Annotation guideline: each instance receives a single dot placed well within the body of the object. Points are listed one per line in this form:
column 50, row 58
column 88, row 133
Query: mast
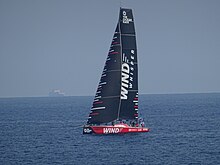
column 119, row 25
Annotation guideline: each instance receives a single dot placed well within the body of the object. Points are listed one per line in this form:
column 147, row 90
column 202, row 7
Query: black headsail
column 117, row 93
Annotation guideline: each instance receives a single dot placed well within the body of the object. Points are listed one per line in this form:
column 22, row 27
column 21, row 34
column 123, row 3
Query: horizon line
column 181, row 93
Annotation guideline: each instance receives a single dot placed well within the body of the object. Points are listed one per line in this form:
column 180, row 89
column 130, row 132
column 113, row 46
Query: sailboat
column 115, row 106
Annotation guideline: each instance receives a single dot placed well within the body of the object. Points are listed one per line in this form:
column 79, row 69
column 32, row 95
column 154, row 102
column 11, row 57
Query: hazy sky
column 63, row 44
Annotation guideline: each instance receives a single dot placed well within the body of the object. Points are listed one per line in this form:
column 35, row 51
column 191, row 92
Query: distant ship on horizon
column 56, row 93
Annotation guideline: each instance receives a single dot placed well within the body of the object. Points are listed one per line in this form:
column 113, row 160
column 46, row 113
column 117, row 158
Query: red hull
column 116, row 129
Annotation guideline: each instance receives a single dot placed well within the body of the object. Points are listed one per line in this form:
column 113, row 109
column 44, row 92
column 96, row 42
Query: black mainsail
column 117, row 93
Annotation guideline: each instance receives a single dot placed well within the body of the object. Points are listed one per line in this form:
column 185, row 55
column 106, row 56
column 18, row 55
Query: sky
column 63, row 44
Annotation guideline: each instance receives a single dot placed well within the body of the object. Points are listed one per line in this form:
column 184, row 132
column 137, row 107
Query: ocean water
column 185, row 129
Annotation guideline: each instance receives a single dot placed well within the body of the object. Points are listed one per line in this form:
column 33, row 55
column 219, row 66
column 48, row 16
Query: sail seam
column 98, row 108
column 132, row 90
column 115, row 45
column 113, row 71
column 132, row 35
column 110, row 97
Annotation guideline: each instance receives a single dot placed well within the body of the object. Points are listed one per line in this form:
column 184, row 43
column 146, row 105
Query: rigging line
column 77, row 126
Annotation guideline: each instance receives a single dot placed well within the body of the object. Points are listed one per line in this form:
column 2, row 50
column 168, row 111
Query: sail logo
column 110, row 130
column 124, row 80
column 127, row 73
column 125, row 18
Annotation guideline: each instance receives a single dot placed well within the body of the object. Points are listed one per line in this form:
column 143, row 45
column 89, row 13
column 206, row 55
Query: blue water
column 185, row 129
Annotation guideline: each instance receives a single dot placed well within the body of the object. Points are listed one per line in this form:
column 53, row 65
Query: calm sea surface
column 185, row 129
